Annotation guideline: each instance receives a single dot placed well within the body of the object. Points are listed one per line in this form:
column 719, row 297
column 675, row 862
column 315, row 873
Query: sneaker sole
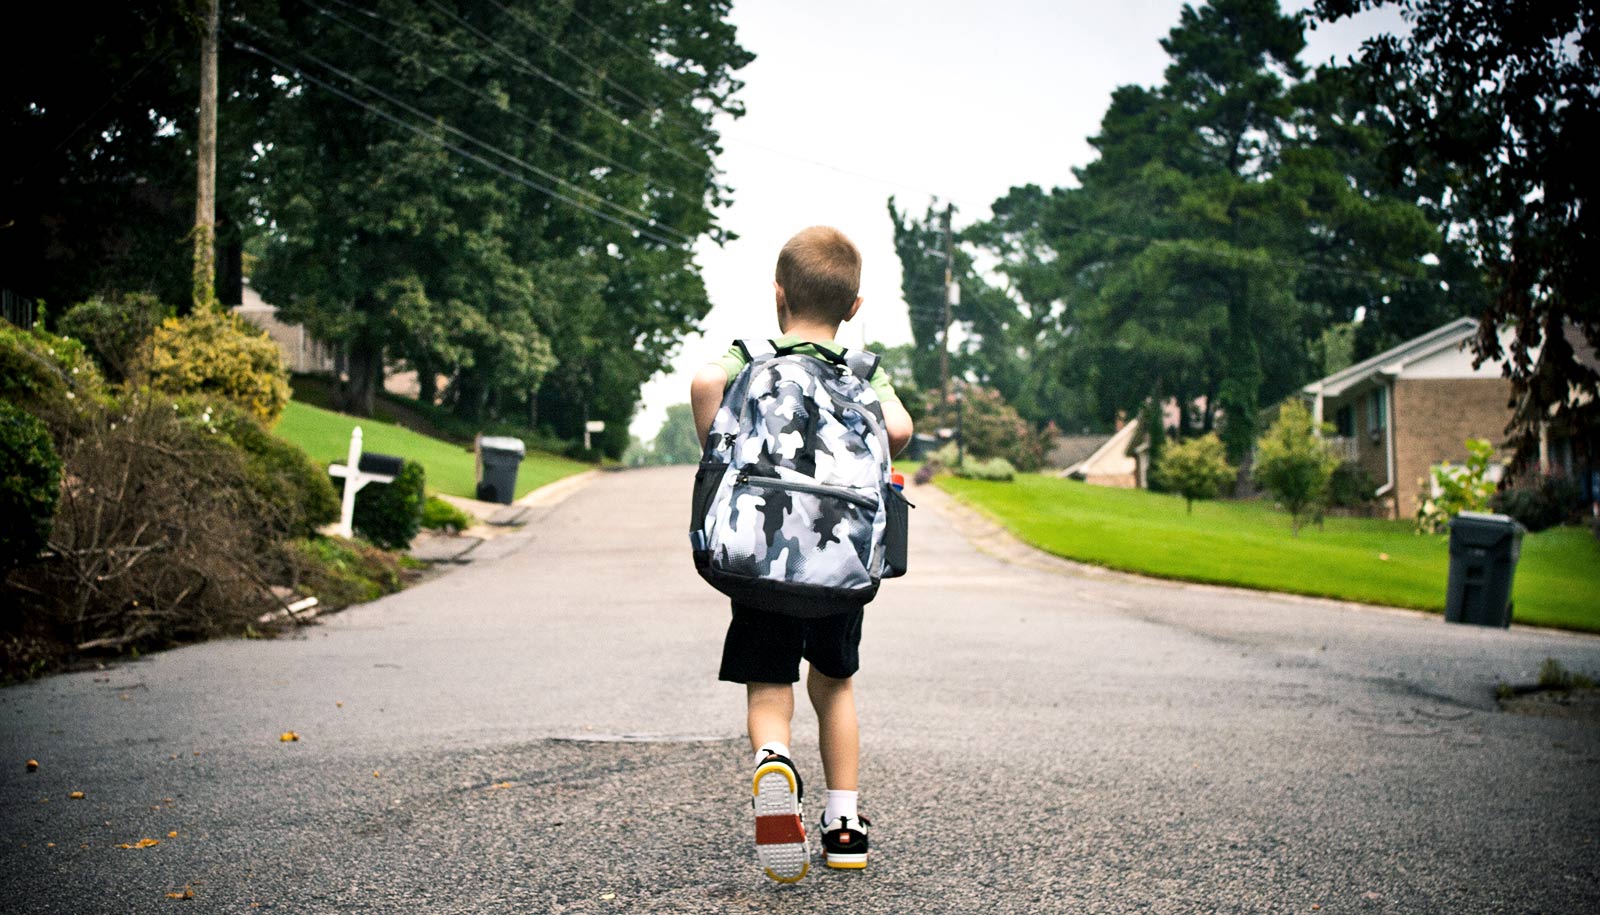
column 845, row 862
column 780, row 834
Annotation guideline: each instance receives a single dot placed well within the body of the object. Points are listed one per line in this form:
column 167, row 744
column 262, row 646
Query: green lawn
column 325, row 436
column 1249, row 544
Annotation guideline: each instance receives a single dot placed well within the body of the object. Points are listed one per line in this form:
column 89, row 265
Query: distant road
column 542, row 731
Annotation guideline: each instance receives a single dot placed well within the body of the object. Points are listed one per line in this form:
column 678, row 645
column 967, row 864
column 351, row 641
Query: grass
column 325, row 435
column 1248, row 544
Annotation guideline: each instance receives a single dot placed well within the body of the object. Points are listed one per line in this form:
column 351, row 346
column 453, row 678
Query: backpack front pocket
column 796, row 531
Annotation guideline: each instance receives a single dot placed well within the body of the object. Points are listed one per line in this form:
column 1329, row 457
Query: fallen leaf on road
column 76, row 795
column 142, row 843
column 49, row 845
column 186, row 894
column 338, row 705
column 173, row 834
column 375, row 773
column 33, row 765
column 288, row 736
column 499, row 786
column 608, row 895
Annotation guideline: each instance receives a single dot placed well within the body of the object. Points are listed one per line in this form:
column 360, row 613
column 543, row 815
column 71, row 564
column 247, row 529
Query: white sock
column 772, row 746
column 840, row 804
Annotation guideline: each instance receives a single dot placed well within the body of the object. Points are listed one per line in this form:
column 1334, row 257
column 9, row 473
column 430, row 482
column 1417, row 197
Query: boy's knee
column 820, row 684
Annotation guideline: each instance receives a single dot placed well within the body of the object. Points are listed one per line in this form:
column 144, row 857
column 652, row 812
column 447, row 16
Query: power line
column 547, row 175
column 468, row 154
column 517, row 17
column 775, row 150
column 538, row 125
column 522, row 63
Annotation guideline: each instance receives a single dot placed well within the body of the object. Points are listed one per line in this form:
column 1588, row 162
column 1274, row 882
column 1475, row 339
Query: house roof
column 1115, row 446
column 1393, row 361
column 1072, row 449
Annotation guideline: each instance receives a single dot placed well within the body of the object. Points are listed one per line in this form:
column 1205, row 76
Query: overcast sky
column 850, row 101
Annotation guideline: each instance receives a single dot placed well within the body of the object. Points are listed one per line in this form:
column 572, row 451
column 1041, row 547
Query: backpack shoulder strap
column 755, row 349
column 863, row 364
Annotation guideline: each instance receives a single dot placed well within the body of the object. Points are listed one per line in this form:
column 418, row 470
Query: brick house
column 1404, row 411
column 302, row 352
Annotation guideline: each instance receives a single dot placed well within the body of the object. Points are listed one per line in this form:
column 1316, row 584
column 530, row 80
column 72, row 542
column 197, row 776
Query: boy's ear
column 854, row 308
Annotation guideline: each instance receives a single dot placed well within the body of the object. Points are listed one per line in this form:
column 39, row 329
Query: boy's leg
column 838, row 732
column 833, row 650
column 771, row 708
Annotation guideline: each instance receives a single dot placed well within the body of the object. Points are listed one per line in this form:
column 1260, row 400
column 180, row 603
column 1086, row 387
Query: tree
column 1196, row 468
column 1233, row 213
column 1294, row 464
column 676, row 442
column 1495, row 103
column 503, row 198
column 100, row 139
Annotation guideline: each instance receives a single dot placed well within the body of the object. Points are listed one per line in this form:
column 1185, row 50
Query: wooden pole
column 205, row 204
column 949, row 268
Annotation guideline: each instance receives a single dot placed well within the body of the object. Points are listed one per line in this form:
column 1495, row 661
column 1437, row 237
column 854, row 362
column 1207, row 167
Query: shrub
column 30, row 484
column 51, row 377
column 341, row 572
column 1294, row 464
column 389, row 514
column 990, row 427
column 1349, row 486
column 210, row 352
column 1540, row 503
column 158, row 537
column 998, row 470
column 1197, row 468
column 115, row 332
column 437, row 514
column 1462, row 488
column 292, row 488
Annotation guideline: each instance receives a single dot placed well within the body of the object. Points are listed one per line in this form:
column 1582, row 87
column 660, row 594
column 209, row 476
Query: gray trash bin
column 1483, row 559
column 500, row 456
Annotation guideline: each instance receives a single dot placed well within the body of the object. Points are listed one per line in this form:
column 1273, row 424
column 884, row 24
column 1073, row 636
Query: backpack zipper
column 816, row 489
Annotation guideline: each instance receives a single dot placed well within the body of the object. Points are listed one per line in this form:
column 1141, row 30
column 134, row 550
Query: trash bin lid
column 502, row 443
column 1481, row 529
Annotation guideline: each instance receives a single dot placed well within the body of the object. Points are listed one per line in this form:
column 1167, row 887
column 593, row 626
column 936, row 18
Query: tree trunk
column 366, row 374
column 427, row 381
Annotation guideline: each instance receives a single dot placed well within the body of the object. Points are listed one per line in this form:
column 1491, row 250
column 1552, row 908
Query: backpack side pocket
column 896, row 523
column 707, row 479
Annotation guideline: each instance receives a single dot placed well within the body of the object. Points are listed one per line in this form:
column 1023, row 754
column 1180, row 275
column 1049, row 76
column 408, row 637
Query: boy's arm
column 897, row 422
column 705, row 395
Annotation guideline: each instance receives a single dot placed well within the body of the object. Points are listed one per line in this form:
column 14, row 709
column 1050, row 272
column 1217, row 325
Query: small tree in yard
column 1198, row 468
column 1294, row 464
column 1461, row 488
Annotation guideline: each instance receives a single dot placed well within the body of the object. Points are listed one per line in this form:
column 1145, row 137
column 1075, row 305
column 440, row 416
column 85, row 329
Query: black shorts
column 765, row 647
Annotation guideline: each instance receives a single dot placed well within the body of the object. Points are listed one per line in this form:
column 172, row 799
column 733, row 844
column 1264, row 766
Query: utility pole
column 949, row 299
column 205, row 203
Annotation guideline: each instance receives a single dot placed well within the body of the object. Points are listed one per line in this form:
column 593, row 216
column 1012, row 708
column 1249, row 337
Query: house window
column 1377, row 412
column 1344, row 421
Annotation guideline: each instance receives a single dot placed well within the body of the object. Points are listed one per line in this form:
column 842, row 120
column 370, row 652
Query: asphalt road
column 542, row 731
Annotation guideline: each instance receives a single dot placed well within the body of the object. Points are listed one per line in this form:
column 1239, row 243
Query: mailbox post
column 354, row 479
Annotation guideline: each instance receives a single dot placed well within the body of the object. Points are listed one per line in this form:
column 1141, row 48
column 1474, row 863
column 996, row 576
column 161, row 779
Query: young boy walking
column 816, row 288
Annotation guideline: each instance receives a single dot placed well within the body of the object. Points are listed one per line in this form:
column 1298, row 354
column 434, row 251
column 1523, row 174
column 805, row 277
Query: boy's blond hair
column 820, row 272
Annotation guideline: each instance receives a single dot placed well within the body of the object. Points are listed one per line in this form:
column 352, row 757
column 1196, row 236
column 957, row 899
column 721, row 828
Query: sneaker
column 780, row 833
column 844, row 842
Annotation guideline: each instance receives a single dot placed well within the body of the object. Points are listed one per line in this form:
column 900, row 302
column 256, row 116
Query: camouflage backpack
column 792, row 508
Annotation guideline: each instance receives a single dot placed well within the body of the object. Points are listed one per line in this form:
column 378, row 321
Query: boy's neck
column 812, row 332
